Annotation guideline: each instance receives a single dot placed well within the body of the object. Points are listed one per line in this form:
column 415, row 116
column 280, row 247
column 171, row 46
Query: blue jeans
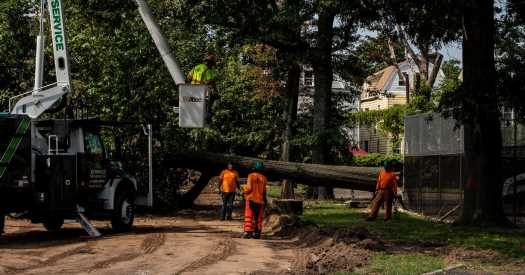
column 227, row 204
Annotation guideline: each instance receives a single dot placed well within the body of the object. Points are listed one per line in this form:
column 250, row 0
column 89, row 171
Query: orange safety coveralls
column 386, row 189
column 255, row 196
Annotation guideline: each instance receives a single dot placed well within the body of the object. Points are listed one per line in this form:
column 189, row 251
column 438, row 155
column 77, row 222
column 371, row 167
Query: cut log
column 357, row 178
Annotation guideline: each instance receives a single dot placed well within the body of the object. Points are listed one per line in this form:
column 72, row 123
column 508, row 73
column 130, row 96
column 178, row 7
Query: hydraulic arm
column 41, row 98
column 160, row 42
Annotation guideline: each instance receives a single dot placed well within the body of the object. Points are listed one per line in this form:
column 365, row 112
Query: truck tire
column 53, row 224
column 124, row 212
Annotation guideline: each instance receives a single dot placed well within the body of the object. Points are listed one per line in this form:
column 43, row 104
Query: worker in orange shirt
column 228, row 185
column 386, row 189
column 255, row 197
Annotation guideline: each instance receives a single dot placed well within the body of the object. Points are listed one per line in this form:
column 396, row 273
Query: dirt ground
column 196, row 242
column 190, row 242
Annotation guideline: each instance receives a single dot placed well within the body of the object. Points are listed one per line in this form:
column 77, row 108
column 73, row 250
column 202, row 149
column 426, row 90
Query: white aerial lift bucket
column 192, row 105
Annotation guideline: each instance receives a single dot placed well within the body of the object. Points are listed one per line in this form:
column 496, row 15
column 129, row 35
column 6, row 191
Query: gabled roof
column 379, row 80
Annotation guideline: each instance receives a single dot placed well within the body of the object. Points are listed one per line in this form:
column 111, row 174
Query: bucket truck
column 57, row 169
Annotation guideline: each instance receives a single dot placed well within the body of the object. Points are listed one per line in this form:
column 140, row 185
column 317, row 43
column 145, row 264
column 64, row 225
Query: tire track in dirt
column 224, row 249
column 149, row 245
column 51, row 260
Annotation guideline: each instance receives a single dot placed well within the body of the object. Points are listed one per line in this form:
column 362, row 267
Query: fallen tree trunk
column 357, row 178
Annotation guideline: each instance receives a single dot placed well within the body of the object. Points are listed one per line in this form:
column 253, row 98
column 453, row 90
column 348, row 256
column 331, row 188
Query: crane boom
column 161, row 43
column 40, row 99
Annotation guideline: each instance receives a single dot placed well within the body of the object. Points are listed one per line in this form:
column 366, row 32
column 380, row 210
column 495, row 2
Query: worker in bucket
column 255, row 196
column 386, row 189
column 204, row 73
column 228, row 185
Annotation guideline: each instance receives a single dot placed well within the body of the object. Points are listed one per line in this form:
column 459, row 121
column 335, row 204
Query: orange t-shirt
column 228, row 180
column 255, row 188
column 387, row 180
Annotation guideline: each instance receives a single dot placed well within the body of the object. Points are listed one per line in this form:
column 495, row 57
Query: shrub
column 375, row 159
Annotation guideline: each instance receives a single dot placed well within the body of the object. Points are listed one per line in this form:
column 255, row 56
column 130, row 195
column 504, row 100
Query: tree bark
column 290, row 108
column 290, row 99
column 423, row 60
column 186, row 200
column 483, row 141
column 357, row 178
column 435, row 69
column 323, row 73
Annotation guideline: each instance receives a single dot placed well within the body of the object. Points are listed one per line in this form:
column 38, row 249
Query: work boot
column 247, row 235
column 369, row 219
column 257, row 235
column 229, row 218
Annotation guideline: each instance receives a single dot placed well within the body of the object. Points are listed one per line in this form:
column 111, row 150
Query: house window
column 308, row 78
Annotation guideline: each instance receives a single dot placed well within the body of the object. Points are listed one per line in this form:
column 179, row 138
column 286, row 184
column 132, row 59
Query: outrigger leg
column 90, row 229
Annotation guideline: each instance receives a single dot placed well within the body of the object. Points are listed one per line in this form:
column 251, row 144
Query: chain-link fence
column 434, row 166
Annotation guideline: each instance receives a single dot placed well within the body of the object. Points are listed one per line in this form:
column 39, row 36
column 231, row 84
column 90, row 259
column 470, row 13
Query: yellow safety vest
column 201, row 74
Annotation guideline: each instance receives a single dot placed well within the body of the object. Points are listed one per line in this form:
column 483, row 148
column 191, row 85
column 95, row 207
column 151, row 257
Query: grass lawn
column 273, row 191
column 409, row 228
column 402, row 264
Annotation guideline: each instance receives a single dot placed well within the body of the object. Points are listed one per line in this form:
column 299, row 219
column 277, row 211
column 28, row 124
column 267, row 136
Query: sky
column 452, row 51
column 449, row 51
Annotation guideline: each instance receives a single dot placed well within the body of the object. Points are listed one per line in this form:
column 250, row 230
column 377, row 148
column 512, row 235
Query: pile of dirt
column 282, row 225
column 325, row 250
column 329, row 257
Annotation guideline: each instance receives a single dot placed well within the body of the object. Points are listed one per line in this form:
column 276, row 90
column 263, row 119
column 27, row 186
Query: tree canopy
column 264, row 47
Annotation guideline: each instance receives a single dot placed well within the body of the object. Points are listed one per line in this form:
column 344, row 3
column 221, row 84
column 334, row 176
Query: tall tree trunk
column 289, row 115
column 423, row 60
column 483, row 141
column 323, row 73
column 290, row 108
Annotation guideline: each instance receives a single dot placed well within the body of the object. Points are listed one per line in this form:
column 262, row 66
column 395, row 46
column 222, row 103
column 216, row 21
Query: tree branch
column 393, row 61
column 404, row 41
column 435, row 69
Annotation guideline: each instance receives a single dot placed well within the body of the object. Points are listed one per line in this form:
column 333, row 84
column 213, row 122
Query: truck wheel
column 53, row 224
column 124, row 211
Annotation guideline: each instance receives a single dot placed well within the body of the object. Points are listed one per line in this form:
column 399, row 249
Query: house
column 382, row 90
column 339, row 87
column 307, row 86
